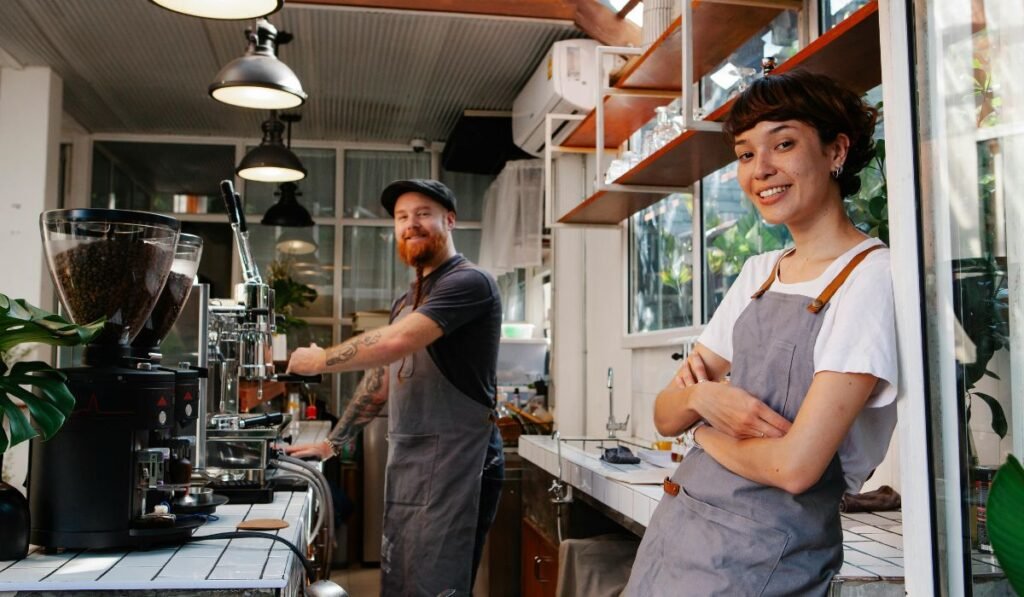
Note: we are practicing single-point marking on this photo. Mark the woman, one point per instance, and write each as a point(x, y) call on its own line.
point(807, 336)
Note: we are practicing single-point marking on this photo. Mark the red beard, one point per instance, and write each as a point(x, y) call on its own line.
point(420, 254)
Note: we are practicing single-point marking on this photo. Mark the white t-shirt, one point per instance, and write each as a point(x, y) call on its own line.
point(858, 335)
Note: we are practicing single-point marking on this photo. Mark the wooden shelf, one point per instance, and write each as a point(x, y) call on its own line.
point(849, 53)
point(718, 29)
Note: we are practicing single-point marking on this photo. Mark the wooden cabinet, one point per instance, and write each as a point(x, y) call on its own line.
point(849, 53)
point(540, 563)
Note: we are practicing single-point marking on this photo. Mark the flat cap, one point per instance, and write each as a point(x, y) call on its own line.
point(431, 188)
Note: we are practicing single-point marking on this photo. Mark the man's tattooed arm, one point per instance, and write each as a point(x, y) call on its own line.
point(370, 397)
point(346, 351)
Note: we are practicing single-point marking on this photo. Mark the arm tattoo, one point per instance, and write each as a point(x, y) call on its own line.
point(346, 351)
point(370, 397)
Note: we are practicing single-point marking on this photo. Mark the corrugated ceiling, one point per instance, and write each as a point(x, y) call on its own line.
point(131, 67)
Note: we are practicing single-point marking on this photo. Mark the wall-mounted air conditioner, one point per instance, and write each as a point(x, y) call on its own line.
point(563, 83)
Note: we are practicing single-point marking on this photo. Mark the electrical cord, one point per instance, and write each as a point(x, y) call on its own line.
point(310, 571)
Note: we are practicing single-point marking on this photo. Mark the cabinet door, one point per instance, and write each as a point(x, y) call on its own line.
point(540, 563)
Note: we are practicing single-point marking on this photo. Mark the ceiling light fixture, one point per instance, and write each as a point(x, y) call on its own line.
point(226, 10)
point(287, 211)
point(258, 79)
point(271, 161)
point(296, 241)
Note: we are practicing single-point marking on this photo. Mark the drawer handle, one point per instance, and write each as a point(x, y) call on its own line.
point(537, 562)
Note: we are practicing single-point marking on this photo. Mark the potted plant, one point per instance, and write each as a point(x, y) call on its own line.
point(47, 407)
point(288, 294)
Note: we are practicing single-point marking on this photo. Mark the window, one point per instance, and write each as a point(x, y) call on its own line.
point(368, 172)
point(971, 146)
point(175, 178)
point(733, 232)
point(661, 265)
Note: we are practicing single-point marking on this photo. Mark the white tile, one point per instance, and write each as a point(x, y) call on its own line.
point(888, 571)
point(624, 499)
point(39, 559)
point(858, 558)
point(14, 574)
point(851, 571)
point(276, 567)
point(880, 550)
point(157, 557)
point(236, 572)
point(191, 568)
point(121, 573)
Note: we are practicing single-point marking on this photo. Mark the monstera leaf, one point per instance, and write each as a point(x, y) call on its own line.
point(21, 322)
point(1005, 523)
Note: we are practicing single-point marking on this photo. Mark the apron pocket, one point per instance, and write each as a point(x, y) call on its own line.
point(774, 376)
point(723, 553)
point(410, 468)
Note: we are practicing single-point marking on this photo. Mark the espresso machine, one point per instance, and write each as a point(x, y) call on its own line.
point(105, 480)
point(237, 446)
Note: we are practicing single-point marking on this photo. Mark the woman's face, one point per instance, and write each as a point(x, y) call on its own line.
point(786, 171)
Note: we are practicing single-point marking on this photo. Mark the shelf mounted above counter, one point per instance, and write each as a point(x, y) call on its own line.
point(849, 53)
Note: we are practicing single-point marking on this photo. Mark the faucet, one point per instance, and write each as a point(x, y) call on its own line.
point(612, 426)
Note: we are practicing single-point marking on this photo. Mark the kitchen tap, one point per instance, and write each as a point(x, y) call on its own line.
point(612, 426)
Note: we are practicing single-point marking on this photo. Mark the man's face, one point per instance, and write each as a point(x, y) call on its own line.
point(422, 226)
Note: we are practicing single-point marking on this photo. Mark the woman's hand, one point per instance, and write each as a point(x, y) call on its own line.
point(308, 361)
point(734, 412)
point(321, 450)
point(726, 408)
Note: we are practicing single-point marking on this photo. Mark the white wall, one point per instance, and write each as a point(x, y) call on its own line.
point(30, 123)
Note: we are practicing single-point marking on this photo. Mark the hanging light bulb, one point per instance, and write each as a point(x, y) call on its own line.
point(271, 161)
point(258, 79)
point(222, 9)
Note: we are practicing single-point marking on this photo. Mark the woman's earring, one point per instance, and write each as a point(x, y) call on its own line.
point(837, 172)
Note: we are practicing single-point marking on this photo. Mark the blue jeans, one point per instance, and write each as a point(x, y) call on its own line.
point(490, 493)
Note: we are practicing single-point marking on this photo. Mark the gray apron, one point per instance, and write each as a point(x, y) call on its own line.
point(437, 441)
point(723, 534)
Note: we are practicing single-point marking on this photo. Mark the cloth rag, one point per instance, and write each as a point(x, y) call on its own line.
point(619, 455)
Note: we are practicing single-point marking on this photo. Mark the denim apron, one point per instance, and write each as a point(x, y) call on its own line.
point(437, 442)
point(723, 534)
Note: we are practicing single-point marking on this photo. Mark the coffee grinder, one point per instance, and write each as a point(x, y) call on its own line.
point(104, 479)
point(182, 437)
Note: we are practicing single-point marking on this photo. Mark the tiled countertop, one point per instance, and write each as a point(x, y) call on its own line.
point(872, 543)
point(223, 564)
point(216, 564)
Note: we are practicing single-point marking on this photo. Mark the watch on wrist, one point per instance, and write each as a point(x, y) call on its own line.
point(689, 439)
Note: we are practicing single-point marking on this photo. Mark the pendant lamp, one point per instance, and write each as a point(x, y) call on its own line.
point(296, 241)
point(258, 79)
point(222, 9)
point(271, 161)
point(287, 211)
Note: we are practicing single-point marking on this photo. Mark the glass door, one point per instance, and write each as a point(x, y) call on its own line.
point(970, 138)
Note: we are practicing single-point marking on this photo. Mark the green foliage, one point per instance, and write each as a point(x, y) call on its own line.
point(288, 294)
point(868, 208)
point(1005, 524)
point(50, 405)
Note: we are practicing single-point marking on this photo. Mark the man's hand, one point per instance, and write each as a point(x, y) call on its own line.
point(321, 450)
point(307, 361)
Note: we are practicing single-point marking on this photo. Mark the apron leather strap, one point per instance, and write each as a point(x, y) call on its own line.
point(819, 303)
point(775, 272)
point(670, 487)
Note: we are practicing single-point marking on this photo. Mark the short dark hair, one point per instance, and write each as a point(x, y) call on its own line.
point(815, 100)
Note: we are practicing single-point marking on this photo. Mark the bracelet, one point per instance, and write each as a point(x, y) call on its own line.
point(335, 450)
point(689, 440)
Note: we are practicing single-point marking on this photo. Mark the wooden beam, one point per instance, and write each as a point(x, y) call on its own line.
point(601, 23)
point(564, 10)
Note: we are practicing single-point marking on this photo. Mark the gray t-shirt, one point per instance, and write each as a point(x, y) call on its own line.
point(464, 302)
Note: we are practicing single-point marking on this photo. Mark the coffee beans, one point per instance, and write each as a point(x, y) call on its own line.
point(166, 311)
point(119, 278)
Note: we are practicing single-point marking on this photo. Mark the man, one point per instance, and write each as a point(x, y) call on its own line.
point(434, 366)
